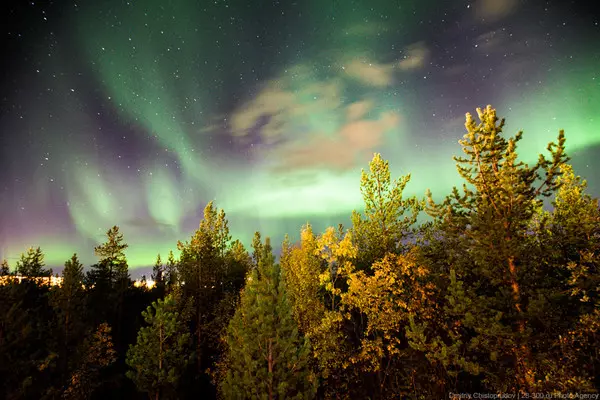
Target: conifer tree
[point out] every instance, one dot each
(238, 263)
(68, 301)
(256, 248)
(112, 256)
(160, 354)
(573, 254)
(4, 268)
(110, 281)
(32, 264)
(267, 357)
(575, 218)
(170, 271)
(202, 269)
(489, 226)
(157, 272)
(388, 218)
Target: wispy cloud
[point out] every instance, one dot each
(494, 10)
(342, 151)
(301, 123)
(276, 104)
(416, 56)
(370, 73)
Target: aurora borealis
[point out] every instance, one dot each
(137, 113)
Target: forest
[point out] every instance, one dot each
(493, 289)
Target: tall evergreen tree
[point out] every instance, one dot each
(388, 217)
(489, 224)
(109, 279)
(112, 256)
(32, 264)
(202, 269)
(267, 358)
(68, 301)
(256, 248)
(170, 272)
(158, 272)
(161, 351)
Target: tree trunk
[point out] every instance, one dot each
(521, 352)
(270, 366)
(160, 347)
(65, 361)
(199, 338)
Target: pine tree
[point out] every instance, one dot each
(572, 252)
(388, 218)
(256, 248)
(110, 281)
(267, 357)
(170, 271)
(238, 263)
(112, 256)
(157, 272)
(492, 255)
(4, 268)
(32, 264)
(202, 269)
(160, 354)
(68, 301)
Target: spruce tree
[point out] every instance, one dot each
(266, 358)
(110, 280)
(158, 272)
(68, 301)
(170, 272)
(112, 256)
(160, 354)
(32, 264)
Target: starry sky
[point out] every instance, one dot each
(137, 113)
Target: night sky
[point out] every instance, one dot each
(137, 113)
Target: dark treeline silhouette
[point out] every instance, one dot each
(492, 293)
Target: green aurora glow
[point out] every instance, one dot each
(300, 119)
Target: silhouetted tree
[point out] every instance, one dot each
(4, 268)
(32, 264)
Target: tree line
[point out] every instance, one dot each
(486, 290)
